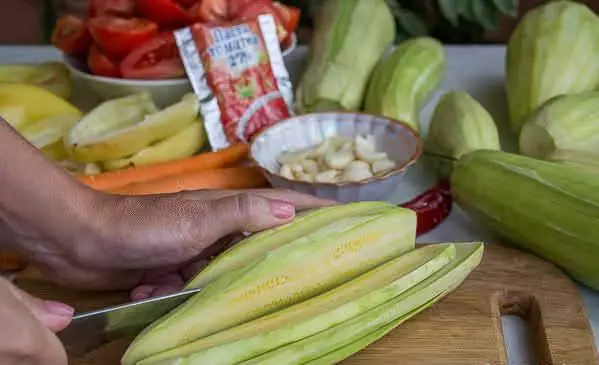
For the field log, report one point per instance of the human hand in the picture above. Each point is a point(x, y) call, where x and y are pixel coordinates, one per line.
point(27, 324)
point(156, 242)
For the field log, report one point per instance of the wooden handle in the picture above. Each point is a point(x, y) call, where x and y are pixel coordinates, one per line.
point(552, 328)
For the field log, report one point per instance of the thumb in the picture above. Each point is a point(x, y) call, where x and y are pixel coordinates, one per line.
point(53, 315)
point(247, 212)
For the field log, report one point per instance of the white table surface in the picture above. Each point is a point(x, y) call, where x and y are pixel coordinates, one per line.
point(479, 70)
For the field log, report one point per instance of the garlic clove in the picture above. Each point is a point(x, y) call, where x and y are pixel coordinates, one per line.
point(297, 168)
point(319, 150)
point(356, 172)
point(357, 164)
point(365, 142)
point(286, 172)
point(368, 155)
point(365, 149)
point(329, 176)
point(382, 166)
point(291, 157)
point(347, 147)
point(338, 160)
point(310, 166)
point(336, 142)
point(306, 177)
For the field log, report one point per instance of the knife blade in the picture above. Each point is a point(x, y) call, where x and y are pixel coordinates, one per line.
point(90, 330)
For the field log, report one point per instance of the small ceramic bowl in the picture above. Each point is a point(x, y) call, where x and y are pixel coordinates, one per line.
point(163, 92)
point(398, 140)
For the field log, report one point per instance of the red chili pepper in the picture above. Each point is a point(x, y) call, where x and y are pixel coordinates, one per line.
point(432, 207)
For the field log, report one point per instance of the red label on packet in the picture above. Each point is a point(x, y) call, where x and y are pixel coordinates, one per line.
point(238, 74)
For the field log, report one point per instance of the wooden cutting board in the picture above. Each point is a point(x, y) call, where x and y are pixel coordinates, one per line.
point(464, 328)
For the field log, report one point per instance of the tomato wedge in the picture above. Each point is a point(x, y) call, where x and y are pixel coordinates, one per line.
point(158, 58)
point(118, 36)
point(71, 35)
point(122, 8)
point(257, 7)
point(289, 16)
point(164, 12)
point(210, 11)
point(99, 64)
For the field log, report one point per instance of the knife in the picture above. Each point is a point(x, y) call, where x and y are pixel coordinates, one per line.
point(89, 330)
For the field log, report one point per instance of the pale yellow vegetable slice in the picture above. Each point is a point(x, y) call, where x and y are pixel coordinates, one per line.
point(56, 151)
point(307, 318)
point(52, 76)
point(13, 114)
point(122, 127)
point(183, 144)
point(49, 130)
point(260, 244)
point(37, 102)
point(304, 268)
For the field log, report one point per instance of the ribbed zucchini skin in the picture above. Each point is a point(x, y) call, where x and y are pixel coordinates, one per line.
point(546, 208)
point(298, 270)
point(350, 37)
point(552, 51)
point(403, 81)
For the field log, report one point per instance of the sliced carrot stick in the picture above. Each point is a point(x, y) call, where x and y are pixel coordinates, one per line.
point(10, 261)
point(242, 177)
point(210, 160)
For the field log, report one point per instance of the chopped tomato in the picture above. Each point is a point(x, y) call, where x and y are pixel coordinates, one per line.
point(258, 7)
point(158, 58)
point(122, 8)
point(99, 64)
point(164, 12)
point(71, 35)
point(289, 16)
point(210, 11)
point(118, 36)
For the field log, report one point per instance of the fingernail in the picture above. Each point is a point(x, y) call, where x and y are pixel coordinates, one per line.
point(142, 292)
point(60, 309)
point(282, 210)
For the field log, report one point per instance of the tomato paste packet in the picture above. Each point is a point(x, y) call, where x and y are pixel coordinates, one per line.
point(238, 74)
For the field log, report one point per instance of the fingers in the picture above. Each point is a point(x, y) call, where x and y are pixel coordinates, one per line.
point(158, 282)
point(24, 333)
point(299, 200)
point(53, 315)
point(76, 276)
point(173, 279)
point(248, 212)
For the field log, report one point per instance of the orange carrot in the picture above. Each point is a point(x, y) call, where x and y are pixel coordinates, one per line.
point(10, 261)
point(210, 160)
point(241, 177)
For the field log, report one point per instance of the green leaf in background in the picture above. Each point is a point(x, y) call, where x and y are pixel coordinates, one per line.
point(411, 23)
point(486, 13)
point(507, 7)
point(451, 9)
point(468, 11)
point(400, 37)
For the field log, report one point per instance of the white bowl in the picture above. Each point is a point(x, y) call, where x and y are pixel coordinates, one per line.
point(163, 92)
point(402, 144)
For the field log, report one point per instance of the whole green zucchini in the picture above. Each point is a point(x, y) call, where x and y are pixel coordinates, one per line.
point(544, 207)
point(402, 82)
point(350, 37)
